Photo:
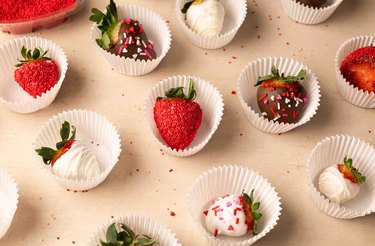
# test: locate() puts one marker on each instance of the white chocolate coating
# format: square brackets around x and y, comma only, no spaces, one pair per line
[335,187]
[77,163]
[226,216]
[206,18]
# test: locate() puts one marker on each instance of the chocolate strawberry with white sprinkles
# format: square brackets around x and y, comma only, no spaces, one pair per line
[177,117]
[125,38]
[281,98]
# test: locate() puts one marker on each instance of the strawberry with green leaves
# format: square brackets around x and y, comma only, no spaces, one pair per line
[281,98]
[233,215]
[36,73]
[125,38]
[124,236]
[71,159]
[49,155]
[178,117]
[341,182]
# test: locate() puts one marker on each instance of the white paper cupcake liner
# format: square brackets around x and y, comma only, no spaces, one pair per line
[157,31]
[331,151]
[350,93]
[247,92]
[93,130]
[12,95]
[140,225]
[8,201]
[309,15]
[232,180]
[209,99]
[235,13]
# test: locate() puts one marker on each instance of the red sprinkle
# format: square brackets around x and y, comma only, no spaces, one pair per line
[170,170]
[233,92]
[216,232]
[205,212]
[173,213]
[262,97]
[216,207]
[58,238]
[295,113]
[237,221]
[230,228]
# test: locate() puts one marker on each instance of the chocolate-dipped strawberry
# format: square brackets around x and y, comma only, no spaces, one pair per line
[125,38]
[313,3]
[281,98]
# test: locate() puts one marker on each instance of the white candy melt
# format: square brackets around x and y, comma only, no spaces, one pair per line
[206,18]
[335,187]
[226,216]
[77,163]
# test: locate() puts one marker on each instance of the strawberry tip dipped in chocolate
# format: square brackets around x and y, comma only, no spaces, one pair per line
[125,38]
[178,117]
[233,215]
[341,182]
[36,73]
[358,68]
[281,98]
[205,17]
[71,159]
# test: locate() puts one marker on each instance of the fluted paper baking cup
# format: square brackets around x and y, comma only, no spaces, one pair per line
[235,13]
[331,151]
[350,93]
[247,92]
[94,131]
[309,15]
[231,180]
[140,224]
[12,95]
[9,201]
[210,101]
[157,31]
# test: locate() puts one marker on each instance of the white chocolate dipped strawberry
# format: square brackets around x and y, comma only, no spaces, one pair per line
[206,17]
[71,159]
[341,182]
[233,215]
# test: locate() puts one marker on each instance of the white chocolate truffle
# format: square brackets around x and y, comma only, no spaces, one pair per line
[335,187]
[226,216]
[77,163]
[206,18]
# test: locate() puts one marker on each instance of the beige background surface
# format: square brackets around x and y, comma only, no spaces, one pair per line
[49,215]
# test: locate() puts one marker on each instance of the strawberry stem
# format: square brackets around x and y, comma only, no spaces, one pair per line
[38,54]
[275,75]
[178,92]
[348,162]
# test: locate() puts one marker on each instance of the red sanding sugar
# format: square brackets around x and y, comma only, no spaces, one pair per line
[364,54]
[11,10]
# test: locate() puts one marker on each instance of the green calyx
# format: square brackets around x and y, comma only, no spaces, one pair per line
[49,154]
[38,54]
[125,237]
[107,23]
[275,75]
[348,162]
[254,206]
[178,92]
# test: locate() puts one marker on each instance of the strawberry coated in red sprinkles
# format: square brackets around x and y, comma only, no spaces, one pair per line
[13,10]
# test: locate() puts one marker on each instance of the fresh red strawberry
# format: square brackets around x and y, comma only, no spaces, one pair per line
[36,73]
[358,68]
[49,155]
[350,172]
[250,209]
[177,117]
[281,98]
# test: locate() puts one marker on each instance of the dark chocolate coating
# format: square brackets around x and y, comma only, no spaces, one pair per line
[133,42]
[313,3]
[283,104]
